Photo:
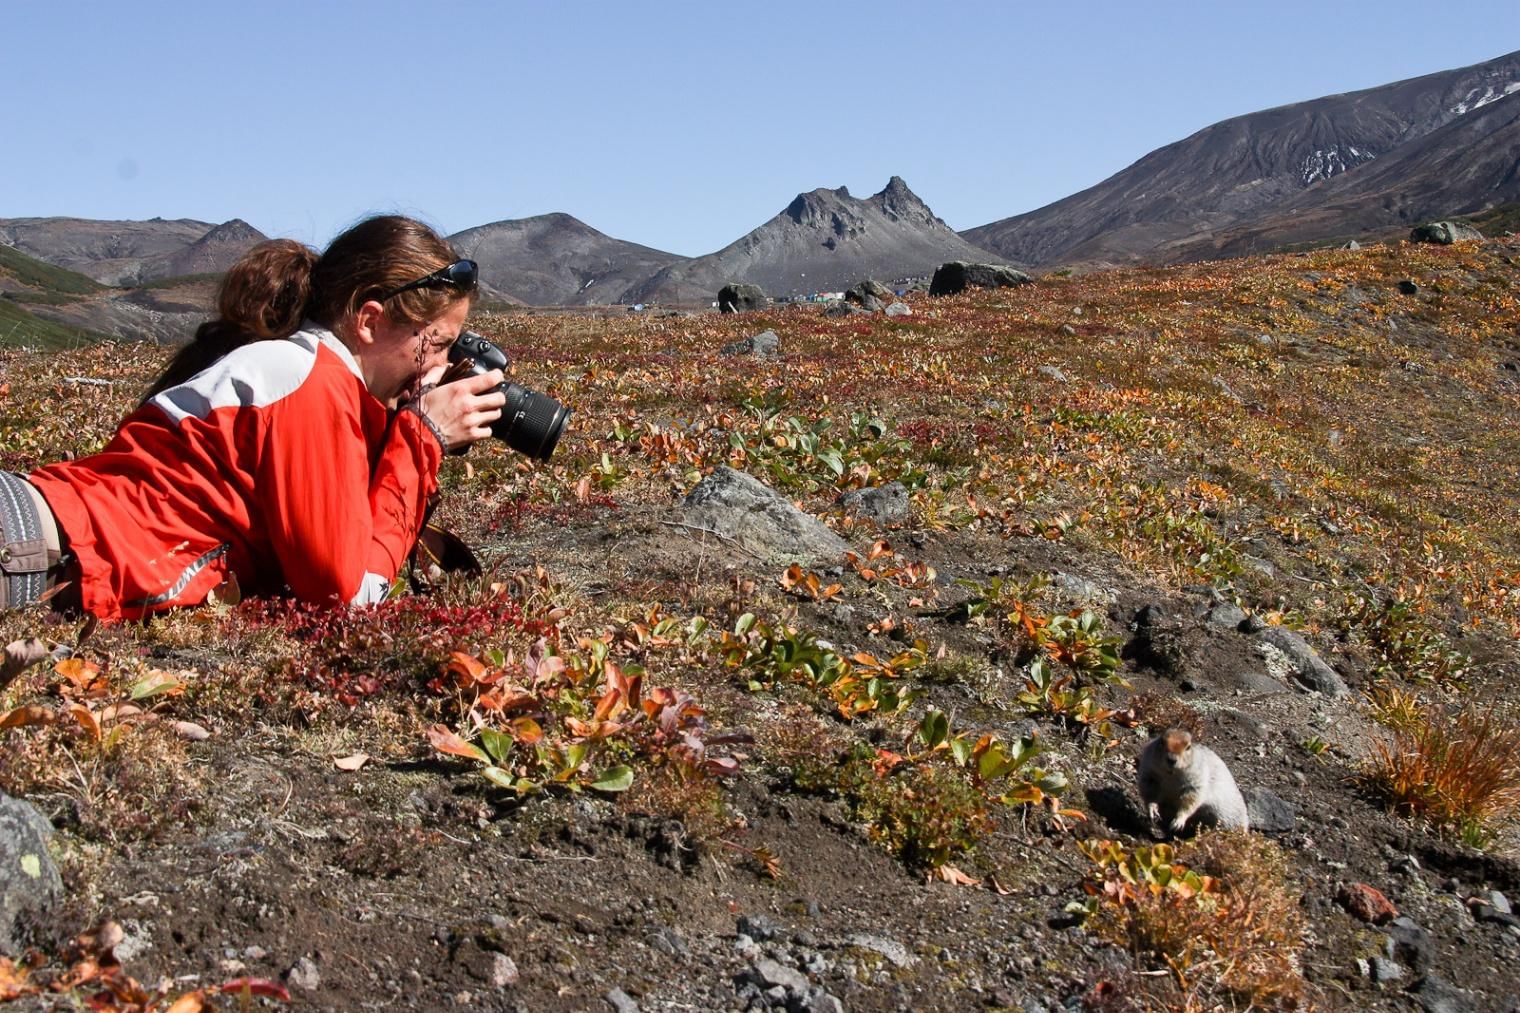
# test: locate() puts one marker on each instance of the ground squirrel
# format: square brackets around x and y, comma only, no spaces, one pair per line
[1182,783]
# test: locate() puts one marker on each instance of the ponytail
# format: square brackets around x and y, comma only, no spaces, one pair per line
[265,295]
[279,283]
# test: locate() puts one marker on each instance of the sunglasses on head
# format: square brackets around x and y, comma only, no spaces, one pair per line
[461,275]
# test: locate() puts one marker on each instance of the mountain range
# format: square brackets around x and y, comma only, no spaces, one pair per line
[1334,167]
[1365,164]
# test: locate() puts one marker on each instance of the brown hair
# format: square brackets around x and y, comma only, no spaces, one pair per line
[279,283]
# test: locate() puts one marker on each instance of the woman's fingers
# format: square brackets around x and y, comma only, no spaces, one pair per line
[465,409]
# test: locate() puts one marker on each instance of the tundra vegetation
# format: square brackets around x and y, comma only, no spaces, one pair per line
[1293,434]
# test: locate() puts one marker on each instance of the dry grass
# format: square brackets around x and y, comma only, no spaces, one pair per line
[1458,771]
[1230,936]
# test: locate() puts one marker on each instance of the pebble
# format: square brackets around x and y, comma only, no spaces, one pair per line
[303,974]
[758,927]
[621,1001]
[894,951]
[668,942]
[772,974]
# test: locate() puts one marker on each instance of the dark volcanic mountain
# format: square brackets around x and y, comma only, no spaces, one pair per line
[825,240]
[1463,168]
[558,260]
[131,253]
[1251,166]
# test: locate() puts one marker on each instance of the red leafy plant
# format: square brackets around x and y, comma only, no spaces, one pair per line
[573,722]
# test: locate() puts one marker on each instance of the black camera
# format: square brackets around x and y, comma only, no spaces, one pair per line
[530,422]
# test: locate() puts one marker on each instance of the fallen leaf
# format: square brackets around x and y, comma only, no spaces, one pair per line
[950,874]
[351,762]
[28,715]
[190,730]
[86,719]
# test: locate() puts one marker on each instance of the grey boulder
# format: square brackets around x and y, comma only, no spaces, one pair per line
[1443,233]
[740,509]
[29,882]
[957,276]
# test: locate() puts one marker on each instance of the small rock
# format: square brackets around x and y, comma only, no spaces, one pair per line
[819,1001]
[1307,667]
[254,953]
[1366,902]
[1269,814]
[668,942]
[1052,373]
[762,346]
[771,974]
[1410,944]
[1382,969]
[503,971]
[1499,902]
[1225,616]
[1068,330]
[883,504]
[844,309]
[894,951]
[134,938]
[758,927]
[621,1001]
[304,974]
[1437,995]
[897,309]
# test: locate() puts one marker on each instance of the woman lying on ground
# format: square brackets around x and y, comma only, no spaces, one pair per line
[292,446]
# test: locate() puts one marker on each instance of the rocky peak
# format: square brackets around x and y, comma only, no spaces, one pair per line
[232,231]
[900,203]
[817,205]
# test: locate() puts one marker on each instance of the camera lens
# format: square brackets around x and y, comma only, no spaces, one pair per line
[530,422]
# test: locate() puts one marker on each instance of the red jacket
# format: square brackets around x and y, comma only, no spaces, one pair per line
[275,465]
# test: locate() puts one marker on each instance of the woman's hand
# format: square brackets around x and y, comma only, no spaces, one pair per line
[463,410]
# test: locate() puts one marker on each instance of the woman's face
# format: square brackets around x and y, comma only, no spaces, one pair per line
[394,361]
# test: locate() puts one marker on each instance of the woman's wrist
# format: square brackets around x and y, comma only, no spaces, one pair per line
[415,407]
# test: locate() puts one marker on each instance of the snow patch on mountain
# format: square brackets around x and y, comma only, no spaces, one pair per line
[1324,163]
[1474,100]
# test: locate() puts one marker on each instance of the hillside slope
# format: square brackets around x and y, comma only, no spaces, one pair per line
[1245,167]
[556,259]
[1267,500]
[1469,166]
[126,253]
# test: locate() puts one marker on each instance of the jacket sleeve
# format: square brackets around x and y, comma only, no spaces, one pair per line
[343,492]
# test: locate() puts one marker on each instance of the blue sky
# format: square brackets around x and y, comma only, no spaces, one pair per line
[677,125]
